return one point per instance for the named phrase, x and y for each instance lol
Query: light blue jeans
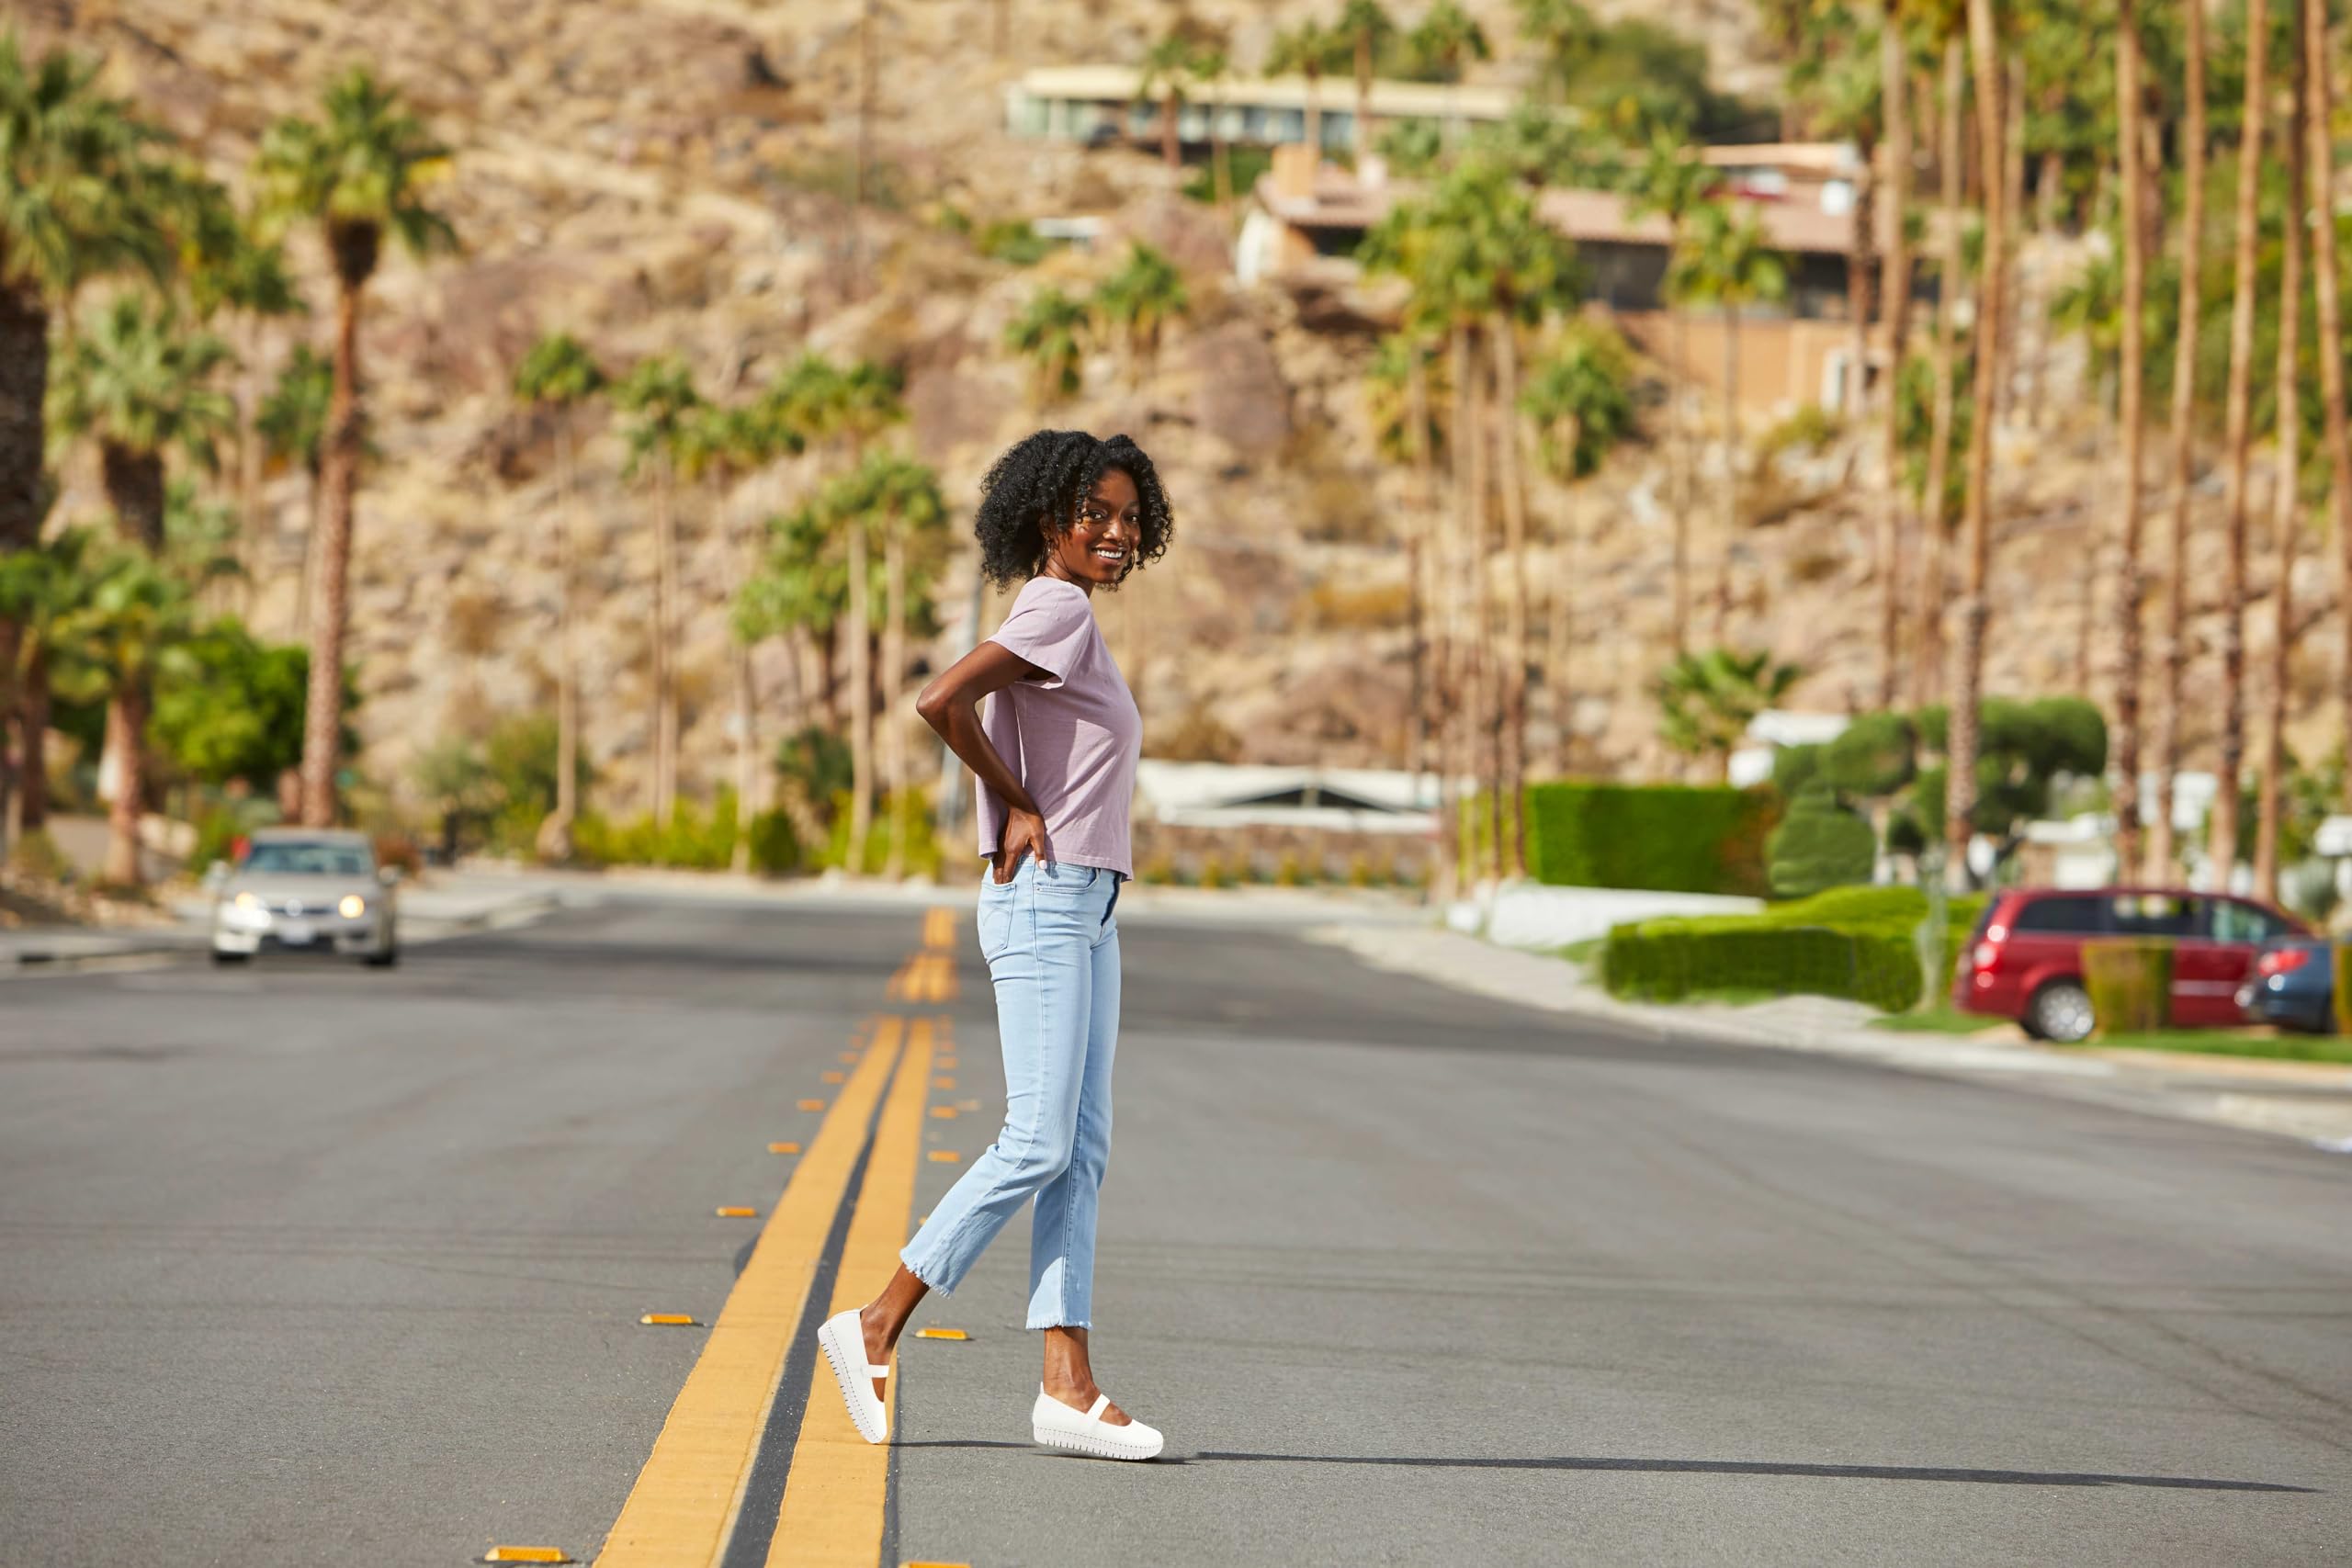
(1053, 950)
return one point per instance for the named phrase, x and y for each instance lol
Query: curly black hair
(1042, 480)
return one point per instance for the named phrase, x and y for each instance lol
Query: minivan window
(2158, 914)
(2234, 921)
(2063, 914)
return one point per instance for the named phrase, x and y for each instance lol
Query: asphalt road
(314, 1264)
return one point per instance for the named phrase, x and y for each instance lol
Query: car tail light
(2282, 961)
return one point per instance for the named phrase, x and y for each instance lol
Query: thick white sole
(1050, 1438)
(872, 1421)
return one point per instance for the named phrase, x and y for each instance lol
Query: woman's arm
(951, 706)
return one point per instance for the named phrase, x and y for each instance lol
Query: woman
(1055, 758)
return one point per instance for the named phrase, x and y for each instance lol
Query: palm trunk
(2286, 509)
(665, 614)
(1510, 854)
(2013, 291)
(1960, 793)
(1170, 150)
(126, 723)
(24, 381)
(1678, 436)
(2163, 862)
(1427, 552)
(1315, 113)
(1363, 98)
(134, 487)
(2319, 117)
(1927, 671)
(1861, 246)
(1731, 473)
(249, 465)
(1895, 308)
(894, 667)
(2129, 590)
(861, 713)
(747, 754)
(2222, 844)
(32, 744)
(313, 498)
(322, 716)
(555, 834)
(1454, 682)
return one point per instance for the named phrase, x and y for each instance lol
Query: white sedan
(305, 890)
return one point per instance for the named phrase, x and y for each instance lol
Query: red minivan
(2025, 961)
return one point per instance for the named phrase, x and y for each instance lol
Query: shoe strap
(1094, 1411)
(873, 1372)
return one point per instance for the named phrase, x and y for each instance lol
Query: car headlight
(246, 901)
(353, 906)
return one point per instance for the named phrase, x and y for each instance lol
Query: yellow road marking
(834, 1495)
(685, 1497)
(926, 976)
(939, 927)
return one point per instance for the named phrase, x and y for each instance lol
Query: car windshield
(297, 858)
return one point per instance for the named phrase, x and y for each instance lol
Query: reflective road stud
(666, 1320)
(834, 1077)
(783, 1148)
(943, 1083)
(526, 1554)
(735, 1214)
(812, 1105)
(944, 1113)
(941, 1333)
(944, 1157)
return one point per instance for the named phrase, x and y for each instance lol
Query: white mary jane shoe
(844, 1342)
(1057, 1426)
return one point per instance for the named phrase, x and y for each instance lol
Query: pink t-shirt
(1072, 738)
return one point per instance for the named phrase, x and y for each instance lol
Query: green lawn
(2282, 1046)
(1936, 1021)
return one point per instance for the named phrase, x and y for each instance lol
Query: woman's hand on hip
(1025, 833)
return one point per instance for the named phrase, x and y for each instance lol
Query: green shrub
(776, 848)
(1661, 838)
(2129, 980)
(922, 856)
(1819, 845)
(1857, 943)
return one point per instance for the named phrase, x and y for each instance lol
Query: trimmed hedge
(1859, 943)
(2130, 981)
(1658, 838)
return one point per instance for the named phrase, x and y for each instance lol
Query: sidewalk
(2308, 1100)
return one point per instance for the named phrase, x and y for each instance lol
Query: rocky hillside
(667, 176)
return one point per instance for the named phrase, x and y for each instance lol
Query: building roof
(1223, 794)
(1390, 100)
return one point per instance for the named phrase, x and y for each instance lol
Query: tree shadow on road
(1704, 1467)
(1760, 1467)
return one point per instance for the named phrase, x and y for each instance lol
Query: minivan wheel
(2061, 1011)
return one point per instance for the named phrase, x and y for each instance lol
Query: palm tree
(39, 587)
(133, 613)
(560, 376)
(1927, 664)
(2318, 120)
(292, 425)
(2286, 493)
(73, 170)
(1364, 28)
(1706, 701)
(1447, 38)
(1960, 802)
(1050, 333)
(1579, 396)
(2130, 591)
(798, 589)
(1895, 308)
(1670, 182)
(2163, 857)
(1138, 303)
(1723, 261)
(139, 386)
(898, 499)
(659, 395)
(1406, 432)
(1209, 67)
(357, 173)
(1167, 66)
(2222, 844)
(1304, 51)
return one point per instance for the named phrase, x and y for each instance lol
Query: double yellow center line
(696, 1502)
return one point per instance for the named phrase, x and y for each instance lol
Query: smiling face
(1099, 546)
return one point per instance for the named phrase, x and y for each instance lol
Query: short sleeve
(1049, 626)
